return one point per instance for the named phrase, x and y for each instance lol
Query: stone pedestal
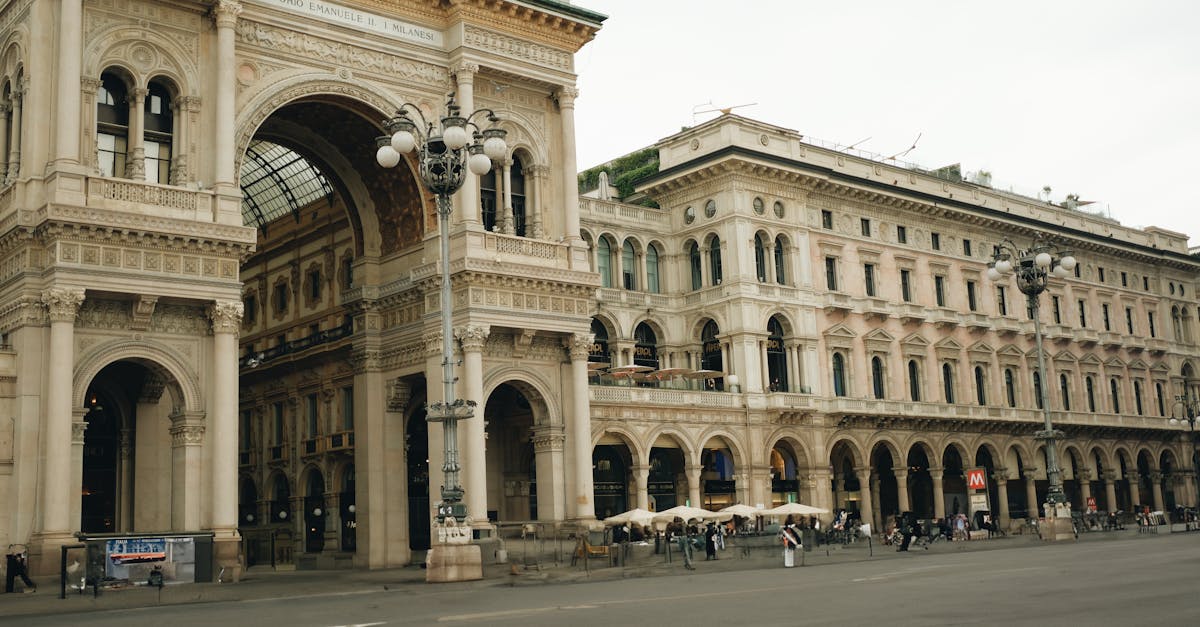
(227, 555)
(453, 562)
(1058, 523)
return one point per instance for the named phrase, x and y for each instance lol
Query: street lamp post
(1033, 268)
(446, 153)
(1191, 411)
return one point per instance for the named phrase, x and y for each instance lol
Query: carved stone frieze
(184, 434)
(548, 438)
(399, 394)
(433, 343)
(104, 314)
(514, 48)
(180, 320)
(62, 304)
(143, 309)
(365, 360)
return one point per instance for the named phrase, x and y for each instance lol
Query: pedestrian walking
(791, 541)
(710, 541)
(683, 537)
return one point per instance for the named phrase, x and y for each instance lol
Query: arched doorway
(610, 479)
(710, 355)
(920, 483)
(349, 533)
(511, 468)
(667, 486)
(717, 475)
(416, 452)
(882, 462)
(785, 484)
(314, 512)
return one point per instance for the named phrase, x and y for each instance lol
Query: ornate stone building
(874, 359)
(184, 177)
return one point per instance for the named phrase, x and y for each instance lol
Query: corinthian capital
(465, 71)
(566, 95)
(225, 13)
(62, 303)
(226, 316)
(472, 337)
(580, 345)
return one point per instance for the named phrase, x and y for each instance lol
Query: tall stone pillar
(641, 477)
(125, 482)
(225, 14)
(939, 496)
(510, 224)
(877, 521)
(1156, 487)
(866, 498)
(5, 113)
(1003, 516)
(1031, 500)
(187, 436)
(473, 435)
(62, 305)
(566, 106)
(535, 185)
(467, 198)
(67, 73)
(78, 437)
(1135, 497)
(222, 435)
(1110, 491)
(135, 159)
(902, 489)
(693, 476)
(580, 427)
(14, 136)
(1084, 477)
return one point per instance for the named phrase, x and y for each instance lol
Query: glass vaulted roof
(277, 181)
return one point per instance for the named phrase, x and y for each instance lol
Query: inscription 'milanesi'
(356, 18)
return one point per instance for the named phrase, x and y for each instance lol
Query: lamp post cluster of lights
(1033, 268)
(1191, 415)
(445, 153)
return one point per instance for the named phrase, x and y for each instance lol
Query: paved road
(1136, 581)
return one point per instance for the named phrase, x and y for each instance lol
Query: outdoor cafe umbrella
(794, 509)
(637, 515)
(628, 369)
(745, 511)
(663, 374)
(705, 374)
(687, 513)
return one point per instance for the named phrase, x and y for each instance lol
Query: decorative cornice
(62, 304)
(143, 310)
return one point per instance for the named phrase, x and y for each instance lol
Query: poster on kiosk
(134, 558)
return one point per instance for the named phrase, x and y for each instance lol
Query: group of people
(690, 535)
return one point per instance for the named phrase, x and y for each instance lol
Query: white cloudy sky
(1098, 98)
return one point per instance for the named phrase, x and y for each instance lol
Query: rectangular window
(1057, 309)
(1150, 320)
(1145, 283)
(348, 272)
(110, 154)
(967, 247)
(1078, 272)
(158, 162)
(939, 290)
(1124, 280)
(971, 296)
(936, 240)
(906, 286)
(311, 424)
(314, 285)
(244, 434)
(1082, 313)
(1107, 321)
(869, 278)
(831, 273)
(250, 309)
(1129, 319)
(1002, 300)
(348, 408)
(826, 219)
(277, 423)
(314, 330)
(1101, 274)
(281, 297)
(866, 227)
(902, 234)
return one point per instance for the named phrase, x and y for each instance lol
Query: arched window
(1116, 396)
(652, 284)
(1091, 394)
(980, 386)
(780, 269)
(839, 375)
(158, 129)
(489, 201)
(948, 382)
(599, 350)
(1137, 396)
(776, 357)
(1064, 388)
(516, 178)
(914, 380)
(877, 376)
(112, 125)
(714, 259)
(760, 259)
(1010, 387)
(711, 357)
(1037, 390)
(694, 262)
(645, 348)
(628, 266)
(604, 261)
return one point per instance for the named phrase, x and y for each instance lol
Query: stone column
(467, 198)
(62, 304)
(510, 224)
(693, 476)
(902, 489)
(223, 434)
(187, 436)
(69, 68)
(1084, 478)
(78, 435)
(1003, 517)
(14, 137)
(332, 519)
(1135, 496)
(125, 482)
(473, 435)
(641, 477)
(866, 505)
(1156, 487)
(5, 118)
(1110, 491)
(1031, 493)
(877, 520)
(135, 158)
(566, 106)
(548, 444)
(580, 426)
(184, 108)
(535, 181)
(939, 496)
(225, 14)
(835, 485)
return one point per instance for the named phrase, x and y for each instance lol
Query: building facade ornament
(580, 345)
(62, 304)
(225, 13)
(226, 316)
(399, 395)
(473, 337)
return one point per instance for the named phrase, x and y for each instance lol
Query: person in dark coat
(710, 541)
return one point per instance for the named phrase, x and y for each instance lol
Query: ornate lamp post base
(452, 557)
(1058, 525)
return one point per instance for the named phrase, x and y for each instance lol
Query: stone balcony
(1157, 345)
(1110, 339)
(944, 317)
(1007, 326)
(838, 302)
(1087, 337)
(911, 314)
(876, 308)
(615, 213)
(977, 322)
(909, 409)
(635, 395)
(1133, 343)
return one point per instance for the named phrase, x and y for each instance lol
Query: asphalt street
(1127, 582)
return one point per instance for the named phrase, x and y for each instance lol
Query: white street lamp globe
(351, 508)
(403, 142)
(282, 515)
(1061, 272)
(1043, 260)
(1174, 422)
(993, 274)
(1068, 262)
(479, 164)
(1004, 266)
(495, 148)
(387, 156)
(316, 511)
(455, 137)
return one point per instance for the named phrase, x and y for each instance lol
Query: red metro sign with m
(977, 479)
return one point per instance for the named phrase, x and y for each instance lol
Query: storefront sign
(358, 19)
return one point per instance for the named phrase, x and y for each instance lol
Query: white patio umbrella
(637, 515)
(687, 513)
(745, 511)
(794, 509)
